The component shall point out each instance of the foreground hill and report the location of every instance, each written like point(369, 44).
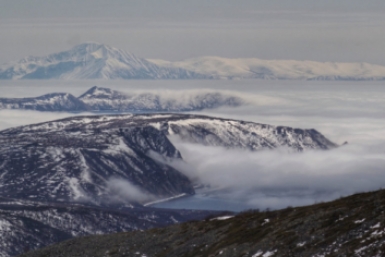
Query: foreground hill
point(98, 61)
point(351, 226)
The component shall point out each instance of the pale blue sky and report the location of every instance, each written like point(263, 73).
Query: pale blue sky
point(343, 30)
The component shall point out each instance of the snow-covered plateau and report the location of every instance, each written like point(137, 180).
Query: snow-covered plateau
point(99, 61)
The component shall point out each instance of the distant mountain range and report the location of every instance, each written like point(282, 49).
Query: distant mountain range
point(99, 99)
point(98, 61)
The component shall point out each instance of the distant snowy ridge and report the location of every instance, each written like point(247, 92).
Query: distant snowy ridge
point(252, 68)
point(98, 61)
point(99, 99)
point(105, 99)
point(48, 102)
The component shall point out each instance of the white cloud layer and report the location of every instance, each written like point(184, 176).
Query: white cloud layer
point(14, 118)
point(277, 179)
point(122, 191)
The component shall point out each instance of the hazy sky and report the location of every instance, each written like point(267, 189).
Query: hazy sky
point(343, 30)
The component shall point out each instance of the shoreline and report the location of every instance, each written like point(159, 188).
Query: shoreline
point(166, 199)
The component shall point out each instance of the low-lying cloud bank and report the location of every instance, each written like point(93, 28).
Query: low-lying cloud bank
point(122, 191)
point(278, 178)
point(14, 118)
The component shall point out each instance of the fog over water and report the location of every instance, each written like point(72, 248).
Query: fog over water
point(342, 111)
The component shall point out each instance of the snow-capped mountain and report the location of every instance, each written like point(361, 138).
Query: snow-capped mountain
point(29, 225)
point(98, 61)
point(99, 99)
point(91, 61)
point(109, 160)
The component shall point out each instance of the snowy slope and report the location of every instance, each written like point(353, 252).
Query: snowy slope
point(89, 160)
point(91, 61)
point(252, 68)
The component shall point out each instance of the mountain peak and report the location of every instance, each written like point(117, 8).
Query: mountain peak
point(100, 51)
point(99, 92)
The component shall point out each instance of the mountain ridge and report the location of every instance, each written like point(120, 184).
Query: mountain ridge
point(86, 158)
point(100, 99)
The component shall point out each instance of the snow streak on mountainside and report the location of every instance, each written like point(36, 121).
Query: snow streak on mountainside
point(91, 61)
point(109, 160)
point(98, 61)
point(104, 99)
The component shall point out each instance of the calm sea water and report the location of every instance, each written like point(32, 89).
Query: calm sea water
point(203, 202)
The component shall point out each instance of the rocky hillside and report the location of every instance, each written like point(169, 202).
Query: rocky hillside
point(27, 225)
point(351, 226)
point(93, 174)
point(114, 160)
